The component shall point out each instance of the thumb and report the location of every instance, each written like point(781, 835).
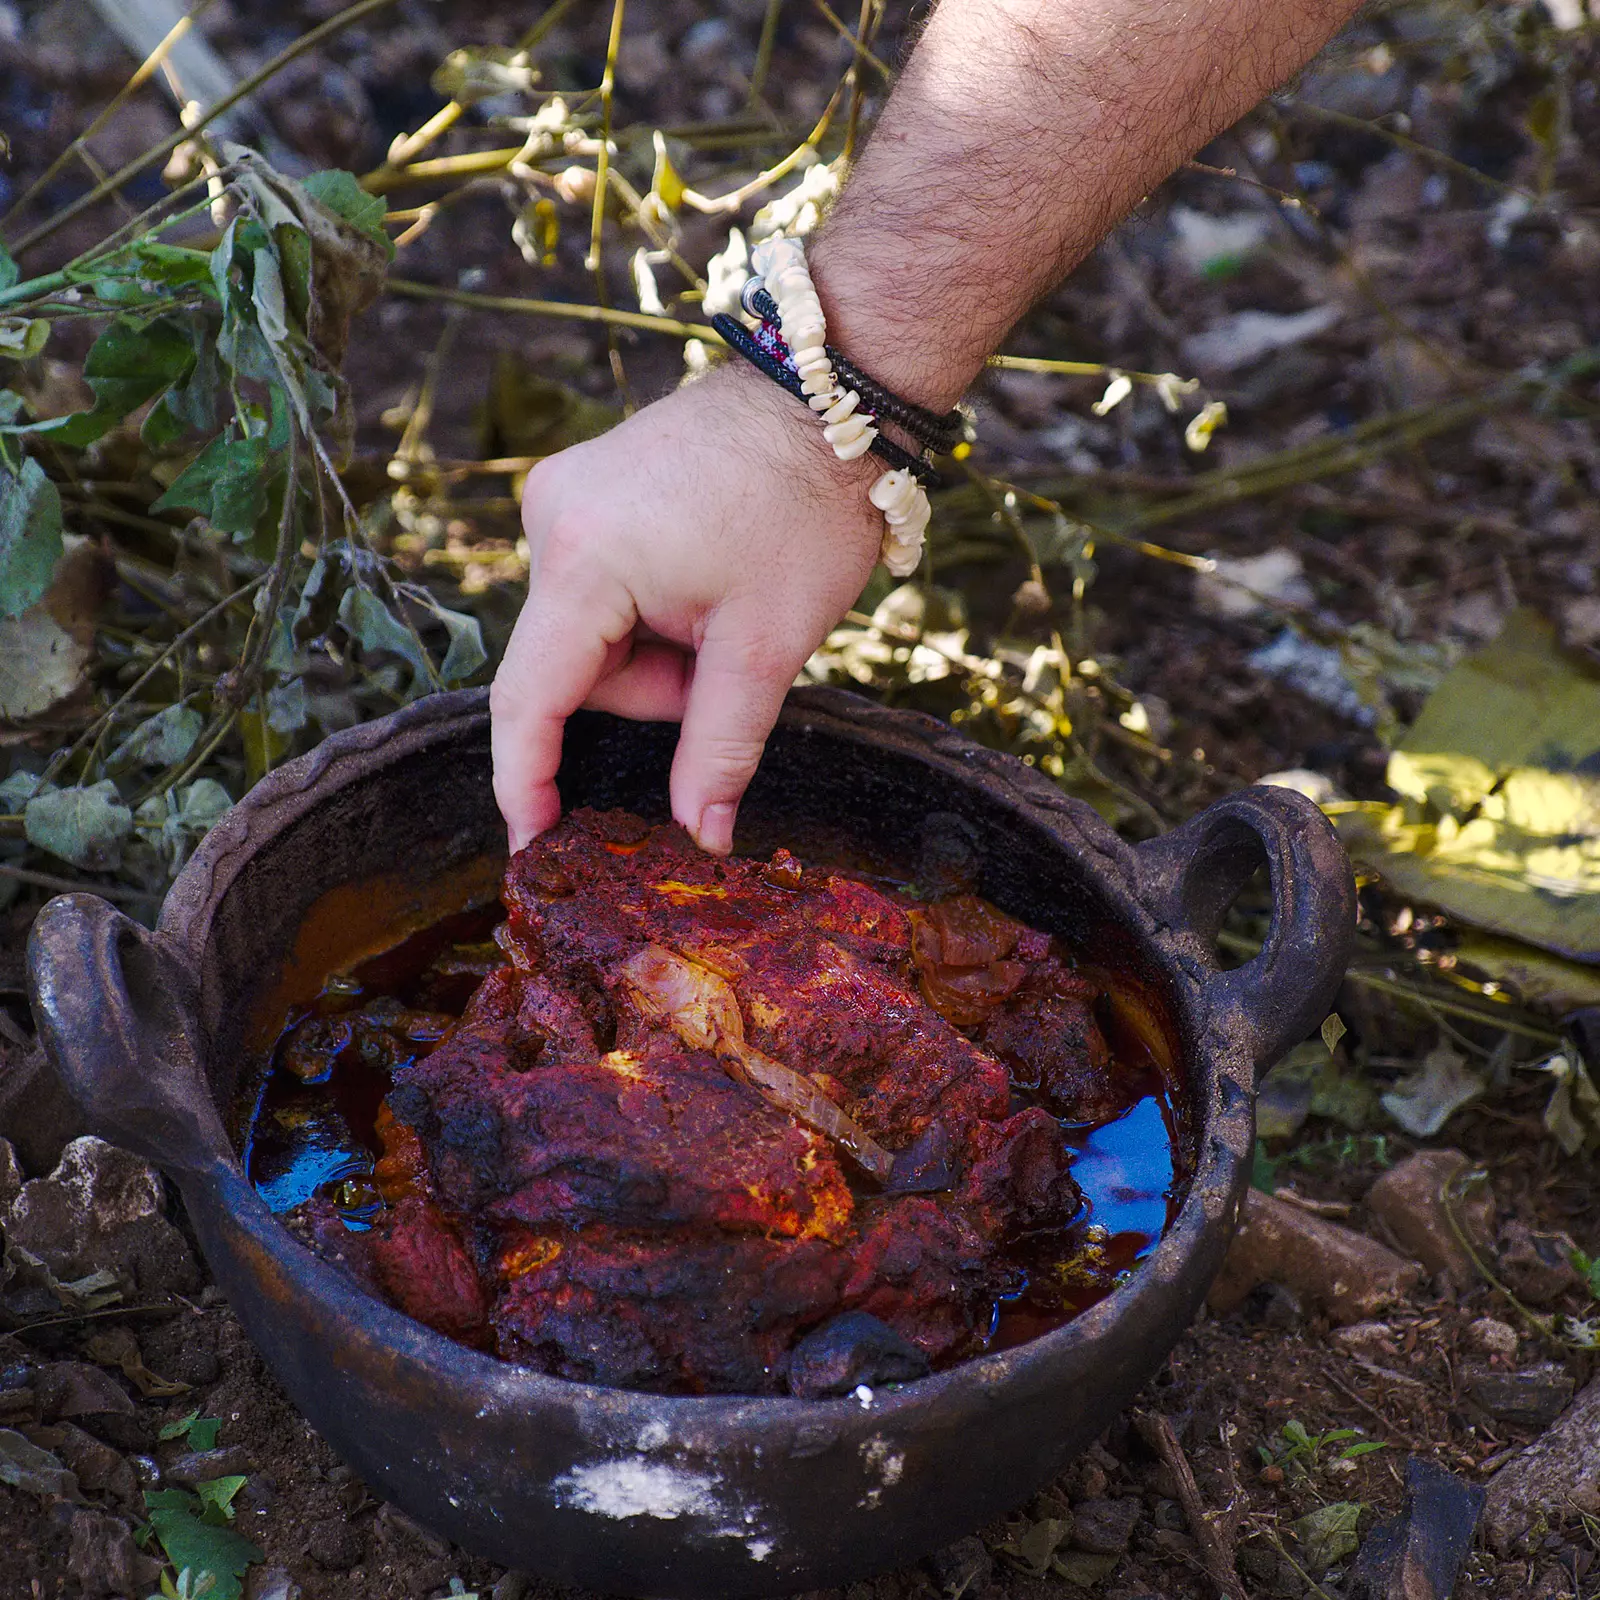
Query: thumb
point(741, 675)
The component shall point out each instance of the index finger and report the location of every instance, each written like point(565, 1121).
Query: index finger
point(557, 653)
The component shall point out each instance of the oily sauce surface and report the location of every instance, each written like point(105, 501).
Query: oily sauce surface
point(316, 1133)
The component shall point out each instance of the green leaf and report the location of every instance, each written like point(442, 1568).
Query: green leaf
point(129, 363)
point(30, 536)
point(228, 482)
point(1032, 1547)
point(1263, 1170)
point(21, 339)
point(1328, 1534)
point(9, 271)
point(465, 653)
point(1426, 1099)
point(84, 825)
point(1500, 820)
point(342, 194)
point(161, 740)
point(217, 1497)
point(286, 706)
point(188, 1541)
point(375, 627)
point(1364, 1448)
point(173, 1430)
point(1333, 1030)
point(202, 1433)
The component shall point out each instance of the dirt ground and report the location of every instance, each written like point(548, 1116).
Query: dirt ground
point(1444, 286)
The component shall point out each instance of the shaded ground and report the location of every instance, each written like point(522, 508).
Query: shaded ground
point(1446, 284)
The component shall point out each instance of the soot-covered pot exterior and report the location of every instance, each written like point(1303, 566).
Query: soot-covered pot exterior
point(644, 1494)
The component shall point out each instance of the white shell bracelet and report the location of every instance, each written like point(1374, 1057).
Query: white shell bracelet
point(781, 265)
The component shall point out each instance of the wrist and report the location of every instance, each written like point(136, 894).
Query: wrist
point(919, 350)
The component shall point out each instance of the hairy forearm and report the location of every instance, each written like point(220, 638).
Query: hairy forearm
point(1019, 133)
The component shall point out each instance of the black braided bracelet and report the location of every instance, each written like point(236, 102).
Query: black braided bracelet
point(939, 434)
point(739, 338)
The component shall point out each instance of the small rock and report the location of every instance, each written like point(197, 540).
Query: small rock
point(1533, 1398)
point(24, 1465)
point(1103, 1527)
point(99, 1469)
point(103, 1207)
point(1493, 1337)
point(76, 1389)
point(1419, 1554)
point(962, 1568)
point(1537, 1267)
point(11, 1178)
point(271, 1583)
point(1368, 1340)
point(1348, 1274)
point(512, 1586)
point(1556, 1476)
point(849, 1350)
point(132, 1431)
point(101, 1554)
point(334, 1544)
point(1409, 1200)
point(201, 1466)
point(37, 1115)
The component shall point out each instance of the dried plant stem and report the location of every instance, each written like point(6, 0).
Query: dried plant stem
point(608, 79)
point(141, 75)
point(469, 164)
point(48, 880)
point(769, 37)
point(563, 309)
point(1216, 1547)
point(1424, 152)
point(725, 204)
point(160, 151)
point(408, 146)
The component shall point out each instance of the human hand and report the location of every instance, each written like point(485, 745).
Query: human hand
point(682, 568)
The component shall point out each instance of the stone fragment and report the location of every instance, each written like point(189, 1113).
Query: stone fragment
point(1368, 1340)
point(201, 1466)
point(101, 1554)
point(99, 1469)
point(1557, 1476)
point(1533, 1398)
point(1419, 1554)
point(11, 1178)
point(1104, 1527)
point(25, 1466)
point(1348, 1274)
point(962, 1568)
point(1537, 1267)
point(1409, 1200)
point(37, 1115)
point(335, 1545)
point(512, 1586)
point(271, 1583)
point(103, 1207)
point(1491, 1337)
point(77, 1389)
point(849, 1350)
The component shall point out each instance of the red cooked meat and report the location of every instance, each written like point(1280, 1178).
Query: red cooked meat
point(660, 1147)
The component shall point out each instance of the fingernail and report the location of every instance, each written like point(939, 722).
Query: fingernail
point(715, 832)
point(512, 843)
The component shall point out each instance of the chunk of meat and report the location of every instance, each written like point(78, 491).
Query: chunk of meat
point(630, 1162)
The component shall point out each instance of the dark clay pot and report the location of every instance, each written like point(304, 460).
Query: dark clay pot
point(637, 1493)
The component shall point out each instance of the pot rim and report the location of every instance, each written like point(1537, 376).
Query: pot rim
point(1216, 1038)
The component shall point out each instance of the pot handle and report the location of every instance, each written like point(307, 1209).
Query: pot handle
point(114, 1007)
point(1192, 875)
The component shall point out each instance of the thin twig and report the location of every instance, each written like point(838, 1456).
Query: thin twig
point(566, 310)
point(1216, 1550)
point(159, 152)
point(48, 880)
